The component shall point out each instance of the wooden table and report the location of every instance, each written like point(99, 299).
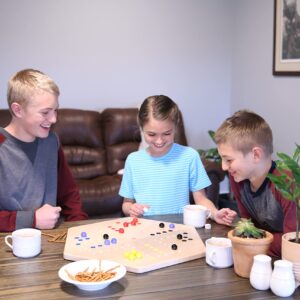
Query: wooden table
point(37, 278)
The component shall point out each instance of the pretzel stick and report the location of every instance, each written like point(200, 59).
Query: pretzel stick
point(93, 276)
point(60, 237)
point(111, 269)
point(48, 234)
point(56, 238)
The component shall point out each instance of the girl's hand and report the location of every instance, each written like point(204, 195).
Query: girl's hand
point(137, 210)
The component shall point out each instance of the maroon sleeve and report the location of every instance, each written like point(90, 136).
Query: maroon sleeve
point(275, 247)
point(67, 192)
point(289, 221)
point(289, 211)
point(7, 220)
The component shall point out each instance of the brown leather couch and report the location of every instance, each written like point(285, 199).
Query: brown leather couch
point(96, 146)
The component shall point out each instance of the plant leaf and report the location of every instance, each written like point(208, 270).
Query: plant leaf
point(280, 182)
point(296, 155)
point(291, 165)
point(212, 135)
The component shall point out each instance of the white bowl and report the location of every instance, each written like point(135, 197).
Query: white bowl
point(79, 266)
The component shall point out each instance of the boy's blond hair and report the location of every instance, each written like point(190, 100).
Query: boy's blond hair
point(245, 130)
point(27, 83)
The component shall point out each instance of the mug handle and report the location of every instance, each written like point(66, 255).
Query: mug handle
point(7, 242)
point(208, 213)
point(212, 257)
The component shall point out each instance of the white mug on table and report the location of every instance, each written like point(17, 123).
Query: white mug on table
point(25, 242)
point(219, 252)
point(195, 215)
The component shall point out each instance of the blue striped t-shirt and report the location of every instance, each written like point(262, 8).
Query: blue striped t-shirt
point(163, 182)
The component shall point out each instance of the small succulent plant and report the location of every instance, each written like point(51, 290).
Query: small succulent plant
point(245, 228)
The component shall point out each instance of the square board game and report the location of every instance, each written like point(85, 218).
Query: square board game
point(141, 245)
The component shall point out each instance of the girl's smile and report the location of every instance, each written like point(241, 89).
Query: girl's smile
point(159, 135)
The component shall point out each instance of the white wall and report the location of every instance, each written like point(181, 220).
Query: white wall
point(253, 85)
point(115, 53)
point(212, 57)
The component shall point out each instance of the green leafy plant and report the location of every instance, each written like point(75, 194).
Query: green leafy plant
point(245, 228)
point(211, 153)
point(288, 182)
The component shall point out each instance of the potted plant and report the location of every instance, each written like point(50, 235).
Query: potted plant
point(247, 241)
point(288, 183)
point(211, 153)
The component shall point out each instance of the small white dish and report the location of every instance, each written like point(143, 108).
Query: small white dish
point(79, 266)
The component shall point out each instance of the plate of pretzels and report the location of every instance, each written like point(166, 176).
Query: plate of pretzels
point(92, 274)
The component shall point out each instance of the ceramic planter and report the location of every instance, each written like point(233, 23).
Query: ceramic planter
point(244, 249)
point(291, 251)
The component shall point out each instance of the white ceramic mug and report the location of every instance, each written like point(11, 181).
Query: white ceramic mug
point(195, 215)
point(219, 252)
point(25, 242)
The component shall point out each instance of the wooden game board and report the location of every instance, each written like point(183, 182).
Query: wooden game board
point(140, 245)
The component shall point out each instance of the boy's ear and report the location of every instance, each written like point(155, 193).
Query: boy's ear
point(257, 153)
point(16, 109)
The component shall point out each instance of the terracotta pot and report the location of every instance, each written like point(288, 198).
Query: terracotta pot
point(291, 251)
point(244, 249)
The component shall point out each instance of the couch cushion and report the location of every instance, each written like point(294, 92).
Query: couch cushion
point(81, 135)
point(5, 117)
point(101, 195)
point(121, 135)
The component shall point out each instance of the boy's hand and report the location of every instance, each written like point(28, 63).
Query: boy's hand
point(225, 216)
point(46, 216)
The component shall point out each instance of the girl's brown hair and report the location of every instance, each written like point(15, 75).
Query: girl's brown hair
point(159, 107)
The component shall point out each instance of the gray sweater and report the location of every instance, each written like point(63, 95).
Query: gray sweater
point(25, 185)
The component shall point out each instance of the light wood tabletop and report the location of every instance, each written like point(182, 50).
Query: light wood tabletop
point(37, 278)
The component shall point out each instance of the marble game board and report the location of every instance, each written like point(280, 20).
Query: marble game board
point(141, 245)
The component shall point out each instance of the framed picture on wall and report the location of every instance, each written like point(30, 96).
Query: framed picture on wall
point(286, 50)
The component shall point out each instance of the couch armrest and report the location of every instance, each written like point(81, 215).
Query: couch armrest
point(5, 117)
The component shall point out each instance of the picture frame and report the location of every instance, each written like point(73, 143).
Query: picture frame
point(286, 47)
